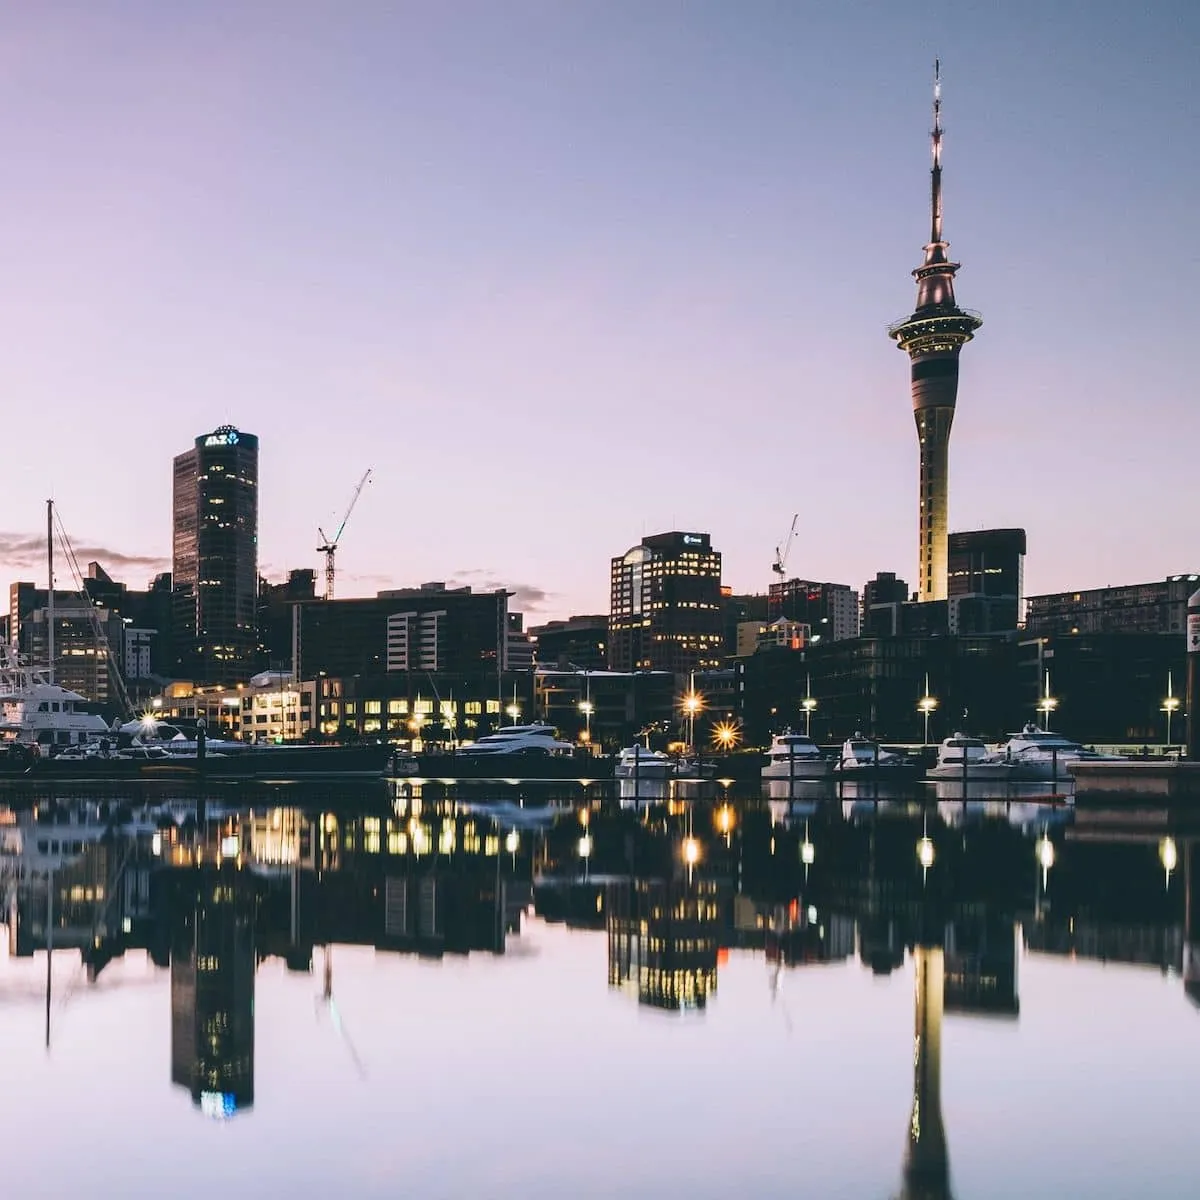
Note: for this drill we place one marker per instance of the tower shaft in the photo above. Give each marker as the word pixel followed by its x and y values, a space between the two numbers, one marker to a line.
pixel 932 337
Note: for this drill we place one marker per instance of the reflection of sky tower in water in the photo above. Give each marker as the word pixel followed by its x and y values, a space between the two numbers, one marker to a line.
pixel 932 338
pixel 926 1162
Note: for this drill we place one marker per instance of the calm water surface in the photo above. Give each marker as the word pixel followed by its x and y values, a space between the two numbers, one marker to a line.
pixel 387 994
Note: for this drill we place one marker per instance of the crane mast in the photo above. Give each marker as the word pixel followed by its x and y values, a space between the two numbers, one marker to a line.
pixel 329 545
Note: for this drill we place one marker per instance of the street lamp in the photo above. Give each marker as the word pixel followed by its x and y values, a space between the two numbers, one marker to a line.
pixel 1047 704
pixel 513 711
pixel 1170 705
pixel 725 735
pixel 693 702
pixel 587 708
pixel 808 704
pixel 925 707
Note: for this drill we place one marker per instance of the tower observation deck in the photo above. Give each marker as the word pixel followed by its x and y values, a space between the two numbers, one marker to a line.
pixel 932 337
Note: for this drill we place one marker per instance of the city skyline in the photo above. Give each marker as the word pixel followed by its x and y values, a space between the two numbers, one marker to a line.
pixel 482 255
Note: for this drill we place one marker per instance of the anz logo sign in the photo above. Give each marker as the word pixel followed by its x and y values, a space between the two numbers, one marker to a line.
pixel 225 436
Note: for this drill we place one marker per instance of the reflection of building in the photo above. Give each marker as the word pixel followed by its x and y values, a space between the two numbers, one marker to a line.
pixel 926 1161
pixel 666 611
pixel 212 989
pixel 981 967
pixel 214 576
pixel 662 940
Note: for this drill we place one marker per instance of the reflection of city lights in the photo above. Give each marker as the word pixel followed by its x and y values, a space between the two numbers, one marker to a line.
pixel 808 852
pixel 724 818
pixel 1045 852
pixel 230 845
pixel 512 841
pixel 925 853
pixel 585 846
pixel 691 851
pixel 1168 854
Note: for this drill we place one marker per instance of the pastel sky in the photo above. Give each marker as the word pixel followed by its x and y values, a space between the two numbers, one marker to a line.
pixel 566 273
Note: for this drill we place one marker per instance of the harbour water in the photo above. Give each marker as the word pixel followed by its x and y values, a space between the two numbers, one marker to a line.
pixel 383 990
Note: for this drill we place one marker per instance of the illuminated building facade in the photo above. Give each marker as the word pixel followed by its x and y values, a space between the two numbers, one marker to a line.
pixel 665 611
pixel 831 609
pixel 214 578
pixel 933 337
pixel 1158 607
pixel 212 989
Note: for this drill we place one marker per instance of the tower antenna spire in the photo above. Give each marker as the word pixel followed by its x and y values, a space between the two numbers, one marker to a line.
pixel 935 230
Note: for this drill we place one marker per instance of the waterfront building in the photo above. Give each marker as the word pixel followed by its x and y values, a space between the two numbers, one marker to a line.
pixel 622 703
pixel 518 645
pixel 933 337
pixel 1157 607
pixel 212 989
pixel 431 629
pixel 830 609
pixel 737 611
pixel 275 601
pixel 753 636
pixel 873 684
pixel 665 610
pixel 1105 687
pixel 578 642
pixel 215 558
pixel 986 583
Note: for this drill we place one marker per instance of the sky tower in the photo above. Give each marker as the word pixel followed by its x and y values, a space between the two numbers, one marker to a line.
pixel 932 338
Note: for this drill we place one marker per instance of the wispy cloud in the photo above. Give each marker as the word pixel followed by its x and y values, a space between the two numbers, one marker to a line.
pixel 527 596
pixel 27 551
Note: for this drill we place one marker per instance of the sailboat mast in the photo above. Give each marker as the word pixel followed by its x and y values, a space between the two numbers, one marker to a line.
pixel 50 590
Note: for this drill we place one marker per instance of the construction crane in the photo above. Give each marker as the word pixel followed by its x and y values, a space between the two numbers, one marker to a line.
pixel 329 545
pixel 779 566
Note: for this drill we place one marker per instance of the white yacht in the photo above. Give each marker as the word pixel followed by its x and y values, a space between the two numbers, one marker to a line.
pixel 861 754
pixel 518 739
pixel 1037 754
pixel 962 757
pixel 639 762
pixel 35 712
pixel 796 756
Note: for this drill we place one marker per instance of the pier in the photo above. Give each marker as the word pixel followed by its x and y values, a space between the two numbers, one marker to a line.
pixel 1137 781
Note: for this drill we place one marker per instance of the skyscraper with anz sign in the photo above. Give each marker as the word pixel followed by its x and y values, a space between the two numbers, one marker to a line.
pixel 215 557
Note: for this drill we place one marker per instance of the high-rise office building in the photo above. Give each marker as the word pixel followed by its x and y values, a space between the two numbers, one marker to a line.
pixel 831 609
pixel 215 558
pixel 986 580
pixel 933 337
pixel 665 612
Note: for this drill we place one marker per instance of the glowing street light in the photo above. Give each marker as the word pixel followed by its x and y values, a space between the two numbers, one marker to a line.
pixel 513 711
pixel 726 735
pixel 691 850
pixel 587 708
pixel 925 707
pixel 1170 705
pixel 1047 704
pixel 808 704
pixel 693 702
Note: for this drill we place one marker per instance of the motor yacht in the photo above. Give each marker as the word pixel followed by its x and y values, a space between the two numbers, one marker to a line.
pixel 35 712
pixel 796 756
pixel 861 754
pixel 535 739
pixel 1037 754
pixel 962 757
pixel 640 762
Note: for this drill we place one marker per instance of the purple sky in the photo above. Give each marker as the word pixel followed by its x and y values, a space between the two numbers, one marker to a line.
pixel 565 274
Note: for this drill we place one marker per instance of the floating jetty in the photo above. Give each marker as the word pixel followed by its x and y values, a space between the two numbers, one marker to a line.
pixel 1137 781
